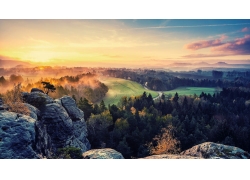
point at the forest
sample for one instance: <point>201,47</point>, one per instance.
<point>164,81</point>
<point>136,127</point>
<point>83,85</point>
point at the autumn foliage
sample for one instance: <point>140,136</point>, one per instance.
<point>14,100</point>
<point>165,142</point>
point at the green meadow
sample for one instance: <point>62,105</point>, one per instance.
<point>121,87</point>
<point>192,90</point>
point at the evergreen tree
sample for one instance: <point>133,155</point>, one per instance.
<point>86,107</point>
<point>102,106</point>
<point>176,97</point>
<point>48,87</point>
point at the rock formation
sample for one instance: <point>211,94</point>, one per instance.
<point>210,150</point>
<point>207,150</point>
<point>106,153</point>
<point>52,124</point>
<point>17,136</point>
<point>36,90</point>
<point>56,129</point>
<point>171,156</point>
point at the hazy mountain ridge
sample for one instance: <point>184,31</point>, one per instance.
<point>14,63</point>
<point>176,66</point>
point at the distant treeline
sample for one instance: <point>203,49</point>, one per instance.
<point>163,81</point>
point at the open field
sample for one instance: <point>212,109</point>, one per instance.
<point>193,90</point>
<point>121,87</point>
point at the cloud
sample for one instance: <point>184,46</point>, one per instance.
<point>240,46</point>
<point>245,29</point>
<point>193,26</point>
<point>202,55</point>
<point>205,44</point>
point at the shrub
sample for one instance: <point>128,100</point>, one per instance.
<point>14,100</point>
<point>165,142</point>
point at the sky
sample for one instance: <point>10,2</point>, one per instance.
<point>124,42</point>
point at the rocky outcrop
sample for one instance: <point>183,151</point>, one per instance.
<point>207,150</point>
<point>36,90</point>
<point>34,112</point>
<point>106,153</point>
<point>37,99</point>
<point>210,150</point>
<point>171,156</point>
<point>53,124</point>
<point>70,106</point>
<point>56,130</point>
<point>60,124</point>
<point>17,136</point>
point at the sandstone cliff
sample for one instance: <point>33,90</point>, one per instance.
<point>52,124</point>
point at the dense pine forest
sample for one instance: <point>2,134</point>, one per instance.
<point>136,126</point>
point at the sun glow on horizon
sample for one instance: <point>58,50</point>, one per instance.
<point>114,42</point>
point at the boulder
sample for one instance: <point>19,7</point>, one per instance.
<point>36,90</point>
<point>17,136</point>
<point>37,99</point>
<point>210,150</point>
<point>171,156</point>
<point>106,153</point>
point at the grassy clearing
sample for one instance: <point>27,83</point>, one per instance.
<point>121,87</point>
<point>193,90</point>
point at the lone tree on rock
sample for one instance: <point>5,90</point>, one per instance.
<point>48,87</point>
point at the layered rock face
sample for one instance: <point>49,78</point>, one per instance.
<point>61,124</point>
<point>52,124</point>
<point>106,153</point>
<point>17,136</point>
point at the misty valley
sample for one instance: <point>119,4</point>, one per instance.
<point>113,113</point>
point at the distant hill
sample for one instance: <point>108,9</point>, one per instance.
<point>181,64</point>
<point>221,63</point>
<point>13,63</point>
<point>201,64</point>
